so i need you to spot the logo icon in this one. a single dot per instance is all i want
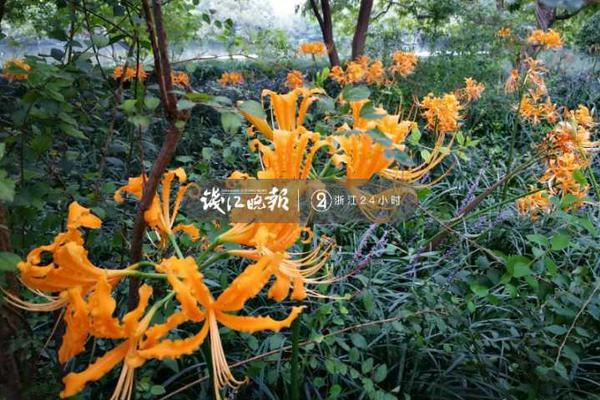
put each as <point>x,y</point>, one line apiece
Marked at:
<point>321,201</point>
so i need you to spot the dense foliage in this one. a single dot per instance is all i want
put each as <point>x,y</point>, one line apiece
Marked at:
<point>490,290</point>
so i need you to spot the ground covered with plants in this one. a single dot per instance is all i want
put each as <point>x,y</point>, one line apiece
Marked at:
<point>488,288</point>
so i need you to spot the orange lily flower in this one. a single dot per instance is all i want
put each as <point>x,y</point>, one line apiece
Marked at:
<point>291,270</point>
<point>159,216</point>
<point>16,70</point>
<point>404,63</point>
<point>472,90</point>
<point>285,109</point>
<point>132,329</point>
<point>295,79</point>
<point>313,48</point>
<point>362,156</point>
<point>199,305</point>
<point>231,79</point>
<point>550,38</point>
<point>291,156</point>
<point>68,268</point>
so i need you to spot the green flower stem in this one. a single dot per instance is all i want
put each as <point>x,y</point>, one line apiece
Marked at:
<point>325,168</point>
<point>208,250</point>
<point>175,245</point>
<point>295,367</point>
<point>147,275</point>
<point>214,259</point>
<point>594,181</point>
<point>137,265</point>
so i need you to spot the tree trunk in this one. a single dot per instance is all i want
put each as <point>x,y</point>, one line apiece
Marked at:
<point>10,379</point>
<point>545,15</point>
<point>362,27</point>
<point>326,25</point>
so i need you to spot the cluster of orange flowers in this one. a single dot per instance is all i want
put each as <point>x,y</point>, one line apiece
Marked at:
<point>404,63</point>
<point>472,90</point>
<point>71,281</point>
<point>126,73</point>
<point>373,73</point>
<point>535,104</point>
<point>295,79</point>
<point>504,32</point>
<point>180,78</point>
<point>313,48</point>
<point>231,79</point>
<point>569,148</point>
<point>550,39</point>
<point>16,70</point>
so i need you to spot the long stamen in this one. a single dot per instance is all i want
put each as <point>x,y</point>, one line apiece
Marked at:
<point>221,372</point>
<point>54,304</point>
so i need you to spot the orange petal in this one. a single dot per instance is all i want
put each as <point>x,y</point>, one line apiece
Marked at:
<point>176,348</point>
<point>131,319</point>
<point>189,229</point>
<point>280,289</point>
<point>245,286</point>
<point>156,332</point>
<point>81,217</point>
<point>76,381</point>
<point>78,327</point>
<point>255,324</point>
<point>102,306</point>
<point>135,187</point>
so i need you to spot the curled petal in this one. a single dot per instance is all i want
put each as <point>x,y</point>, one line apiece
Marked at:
<point>255,324</point>
<point>188,229</point>
<point>247,285</point>
<point>81,217</point>
<point>135,187</point>
<point>130,320</point>
<point>78,326</point>
<point>76,381</point>
<point>176,348</point>
<point>280,289</point>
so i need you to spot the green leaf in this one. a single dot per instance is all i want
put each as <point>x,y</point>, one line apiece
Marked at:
<point>253,108</point>
<point>559,241</point>
<point>479,289</point>
<point>538,239</point>
<point>8,261</point>
<point>128,105</point>
<point>184,104</point>
<point>358,340</point>
<point>518,266</point>
<point>369,112</point>
<point>157,390</point>
<point>207,153</point>
<point>57,54</point>
<point>556,329</point>
<point>72,131</point>
<point>367,366</point>
<point>2,150</point>
<point>425,155</point>
<point>231,122</point>
<point>380,373</point>
<point>355,93</point>
<point>580,177</point>
<point>198,97</point>
<point>151,102</point>
<point>415,136</point>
